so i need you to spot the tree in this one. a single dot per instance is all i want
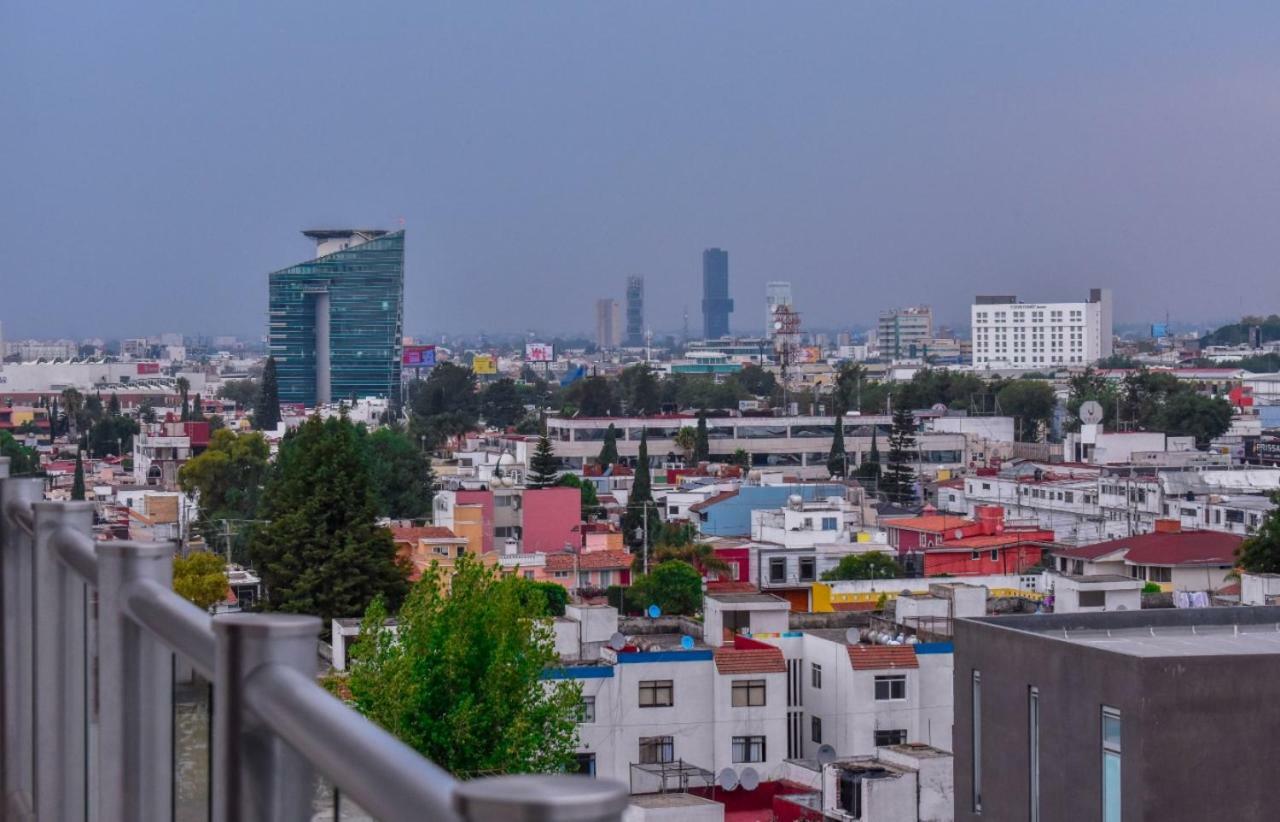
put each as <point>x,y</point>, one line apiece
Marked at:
<point>244,393</point>
<point>184,385</point>
<point>590,499</point>
<point>147,411</point>
<point>702,442</point>
<point>543,466</point>
<point>501,404</point>
<point>547,599</point>
<point>444,405</point>
<point>77,482</point>
<point>639,386</point>
<point>22,460</point>
<point>594,396</point>
<point>755,380</point>
<point>113,405</point>
<point>674,586</point>
<point>686,440</point>
<point>899,478</point>
<point>197,409</point>
<point>609,451</point>
<point>1260,552</point>
<point>698,554</point>
<point>228,476</point>
<point>837,459</point>
<point>73,405</point>
<point>741,459</point>
<point>870,470</point>
<point>200,578</point>
<point>1031,404</point>
<point>321,551</point>
<point>266,411</point>
<point>1192,415</point>
<point>403,482</point>
<point>871,565</point>
<point>460,678</point>
<point>640,516</point>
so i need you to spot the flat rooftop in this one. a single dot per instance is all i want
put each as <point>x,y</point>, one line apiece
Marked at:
<point>762,598</point>
<point>1156,633</point>
<point>669,800</point>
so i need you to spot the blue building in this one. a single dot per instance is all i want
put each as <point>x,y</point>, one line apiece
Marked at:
<point>731,516</point>
<point>335,323</point>
<point>716,303</point>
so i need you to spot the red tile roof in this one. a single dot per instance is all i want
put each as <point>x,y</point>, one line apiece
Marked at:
<point>752,661</point>
<point>882,657</point>
<point>934,524</point>
<point>1181,548</point>
<point>590,561</point>
<point>415,533</point>
<point>716,586</point>
<point>697,507</point>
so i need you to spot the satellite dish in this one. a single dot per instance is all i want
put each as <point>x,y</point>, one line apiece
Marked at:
<point>1090,412</point>
<point>686,642</point>
<point>618,641</point>
<point>941,407</point>
<point>1122,607</point>
<point>727,779</point>
<point>826,755</point>
<point>853,636</point>
<point>749,779</point>
<point>653,611</point>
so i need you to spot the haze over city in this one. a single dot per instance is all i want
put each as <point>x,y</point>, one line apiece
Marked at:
<point>162,158</point>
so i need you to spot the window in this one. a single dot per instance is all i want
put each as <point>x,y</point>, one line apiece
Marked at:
<point>748,749</point>
<point>815,729</point>
<point>606,578</point>
<point>586,764</point>
<point>808,566</point>
<point>815,675</point>
<point>1033,751</point>
<point>1093,599</point>
<point>896,737</point>
<point>1158,574</point>
<point>778,569</point>
<point>829,524</point>
<point>655,750</point>
<point>587,710</point>
<point>655,693</point>
<point>890,687</point>
<point>995,554</point>
<point>975,719</point>
<point>748,693</point>
<point>1110,764</point>
<point>528,574</point>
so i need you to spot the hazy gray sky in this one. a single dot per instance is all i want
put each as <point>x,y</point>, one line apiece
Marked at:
<point>159,158</point>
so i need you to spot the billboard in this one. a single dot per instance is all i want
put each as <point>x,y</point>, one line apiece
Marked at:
<point>148,368</point>
<point>539,352</point>
<point>484,364</point>
<point>1159,330</point>
<point>418,356</point>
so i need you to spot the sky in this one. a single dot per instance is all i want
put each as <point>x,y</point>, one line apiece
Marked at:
<point>158,159</point>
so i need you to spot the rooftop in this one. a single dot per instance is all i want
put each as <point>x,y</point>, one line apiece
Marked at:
<point>936,523</point>
<point>1177,548</point>
<point>750,661</point>
<point>882,657</point>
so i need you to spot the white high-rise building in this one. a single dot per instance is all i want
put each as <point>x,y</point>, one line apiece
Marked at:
<point>1010,334</point>
<point>776,293</point>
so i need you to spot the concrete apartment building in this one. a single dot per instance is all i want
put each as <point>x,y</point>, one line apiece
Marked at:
<point>608,324</point>
<point>905,333</point>
<point>1138,715</point>
<point>1011,334</point>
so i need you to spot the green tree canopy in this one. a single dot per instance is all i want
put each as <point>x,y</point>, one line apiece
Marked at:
<point>837,459</point>
<point>674,586</point>
<point>1260,552</point>
<point>460,678</point>
<point>594,396</point>
<point>22,460</point>
<point>77,481</point>
<point>544,465</point>
<point>609,450</point>
<point>702,441</point>
<point>244,393</point>
<point>698,554</point>
<point>590,498</point>
<point>444,405</point>
<point>501,404</point>
<point>227,477</point>
<point>1193,415</point>
<point>1031,404</point>
<point>640,508</point>
<point>756,381</point>
<point>898,479</point>
<point>321,551</point>
<point>403,481</point>
<point>639,386</point>
<point>200,578</point>
<point>871,565</point>
<point>266,410</point>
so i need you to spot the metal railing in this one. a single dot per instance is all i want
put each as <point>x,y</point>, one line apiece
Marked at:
<point>89,630</point>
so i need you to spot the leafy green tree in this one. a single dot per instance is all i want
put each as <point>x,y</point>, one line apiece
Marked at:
<point>674,586</point>
<point>197,409</point>
<point>686,440</point>
<point>77,481</point>
<point>501,404</point>
<point>544,465</point>
<point>898,482</point>
<point>640,514</point>
<point>1031,404</point>
<point>445,405</point>
<point>112,435</point>
<point>609,450</point>
<point>460,679</point>
<point>321,551</point>
<point>227,477</point>
<point>837,459</point>
<point>590,499</point>
<point>639,386</point>
<point>871,565</point>
<point>594,396</point>
<point>113,405</point>
<point>200,578</point>
<point>741,459</point>
<point>1192,415</point>
<point>1260,552</point>
<point>147,411</point>
<point>22,460</point>
<point>266,411</point>
<point>403,482</point>
<point>702,440</point>
<point>756,381</point>
<point>698,554</point>
<point>244,393</point>
<point>541,599</point>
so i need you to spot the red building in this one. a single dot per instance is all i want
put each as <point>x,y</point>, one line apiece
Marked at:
<point>958,546</point>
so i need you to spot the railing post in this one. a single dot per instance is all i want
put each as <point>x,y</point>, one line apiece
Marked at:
<point>18,636</point>
<point>135,690</point>
<point>257,776</point>
<point>541,798</point>
<point>61,669</point>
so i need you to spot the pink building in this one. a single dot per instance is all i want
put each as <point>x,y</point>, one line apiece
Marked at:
<point>549,519</point>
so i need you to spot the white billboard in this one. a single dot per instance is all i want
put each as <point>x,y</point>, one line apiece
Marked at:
<point>539,352</point>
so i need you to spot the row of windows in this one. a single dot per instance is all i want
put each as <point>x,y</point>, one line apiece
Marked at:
<point>744,693</point>
<point>657,750</point>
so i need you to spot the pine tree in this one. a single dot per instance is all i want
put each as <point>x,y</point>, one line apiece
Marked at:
<point>609,451</point>
<point>899,478</point>
<point>266,412</point>
<point>113,406</point>
<point>197,410</point>
<point>544,466</point>
<point>702,446</point>
<point>837,460</point>
<point>870,470</point>
<point>321,551</point>
<point>184,385</point>
<point>640,508</point>
<point>77,484</point>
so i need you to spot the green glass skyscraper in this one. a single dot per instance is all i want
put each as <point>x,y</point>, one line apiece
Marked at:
<point>336,322</point>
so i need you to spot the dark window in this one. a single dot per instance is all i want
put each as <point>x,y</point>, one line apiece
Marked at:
<point>815,675</point>
<point>748,693</point>
<point>892,686</point>
<point>656,749</point>
<point>655,693</point>
<point>896,737</point>
<point>807,569</point>
<point>587,711</point>
<point>586,764</point>
<point>1093,599</point>
<point>1158,574</point>
<point>815,729</point>
<point>778,569</point>
<point>748,749</point>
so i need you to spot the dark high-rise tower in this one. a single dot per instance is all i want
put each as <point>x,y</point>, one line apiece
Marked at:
<point>335,322</point>
<point>635,312</point>
<point>716,303</point>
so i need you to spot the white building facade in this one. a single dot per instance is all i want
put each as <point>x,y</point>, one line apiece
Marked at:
<point>1010,334</point>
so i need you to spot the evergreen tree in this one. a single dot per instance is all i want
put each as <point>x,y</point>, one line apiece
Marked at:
<point>870,470</point>
<point>899,478</point>
<point>837,459</point>
<point>22,460</point>
<point>266,412</point>
<point>544,466</point>
<point>640,508</point>
<point>609,451</point>
<point>702,445</point>
<point>321,551</point>
<point>77,484</point>
<point>197,410</point>
<point>402,478</point>
<point>113,406</point>
<point>184,385</point>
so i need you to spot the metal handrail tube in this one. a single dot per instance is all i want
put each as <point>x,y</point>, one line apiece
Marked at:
<point>386,777</point>
<point>19,514</point>
<point>76,550</point>
<point>17,707</point>
<point>179,624</point>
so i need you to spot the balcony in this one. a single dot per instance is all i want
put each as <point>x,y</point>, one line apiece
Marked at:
<point>93,635</point>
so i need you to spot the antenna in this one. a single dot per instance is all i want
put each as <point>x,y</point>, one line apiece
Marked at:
<point>618,641</point>
<point>749,779</point>
<point>826,755</point>
<point>727,779</point>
